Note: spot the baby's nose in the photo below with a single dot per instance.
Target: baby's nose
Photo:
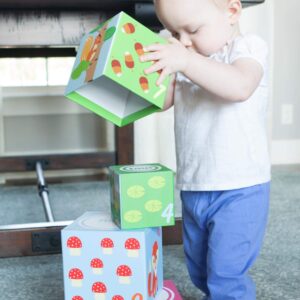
(185, 40)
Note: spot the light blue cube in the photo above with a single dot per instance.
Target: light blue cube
(102, 262)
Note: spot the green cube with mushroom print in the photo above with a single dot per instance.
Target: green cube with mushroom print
(108, 77)
(142, 195)
(102, 262)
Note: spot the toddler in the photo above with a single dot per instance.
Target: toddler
(219, 92)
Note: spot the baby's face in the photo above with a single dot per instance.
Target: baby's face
(200, 25)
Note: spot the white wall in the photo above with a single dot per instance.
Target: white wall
(154, 139)
(260, 20)
(286, 137)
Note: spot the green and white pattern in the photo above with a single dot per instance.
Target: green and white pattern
(145, 196)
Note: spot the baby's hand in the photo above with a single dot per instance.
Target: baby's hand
(169, 58)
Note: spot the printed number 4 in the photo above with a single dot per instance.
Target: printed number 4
(168, 212)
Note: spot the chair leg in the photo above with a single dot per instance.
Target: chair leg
(44, 192)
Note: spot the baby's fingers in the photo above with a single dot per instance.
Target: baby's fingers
(153, 47)
(150, 56)
(154, 68)
(165, 72)
(172, 40)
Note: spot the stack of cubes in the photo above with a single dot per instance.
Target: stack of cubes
(118, 255)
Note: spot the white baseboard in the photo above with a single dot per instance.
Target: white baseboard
(285, 152)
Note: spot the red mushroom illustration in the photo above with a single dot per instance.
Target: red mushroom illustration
(97, 266)
(74, 244)
(144, 84)
(117, 297)
(128, 28)
(129, 62)
(124, 273)
(107, 245)
(139, 49)
(77, 298)
(99, 290)
(152, 276)
(76, 277)
(116, 66)
(133, 246)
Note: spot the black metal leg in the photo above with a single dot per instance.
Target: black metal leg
(44, 192)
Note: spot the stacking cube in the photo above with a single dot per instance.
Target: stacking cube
(108, 77)
(102, 262)
(142, 196)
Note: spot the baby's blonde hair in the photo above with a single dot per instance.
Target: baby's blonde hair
(220, 3)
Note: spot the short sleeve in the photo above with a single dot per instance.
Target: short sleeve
(180, 78)
(250, 46)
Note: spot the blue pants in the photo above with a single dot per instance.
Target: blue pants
(222, 234)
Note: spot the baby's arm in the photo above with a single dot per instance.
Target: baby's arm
(235, 82)
(169, 101)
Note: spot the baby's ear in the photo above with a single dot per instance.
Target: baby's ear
(234, 8)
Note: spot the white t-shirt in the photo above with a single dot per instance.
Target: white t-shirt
(222, 145)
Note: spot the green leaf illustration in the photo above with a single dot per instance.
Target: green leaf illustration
(80, 68)
(109, 33)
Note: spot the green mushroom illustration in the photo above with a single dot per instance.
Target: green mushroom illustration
(157, 182)
(133, 216)
(136, 191)
(153, 206)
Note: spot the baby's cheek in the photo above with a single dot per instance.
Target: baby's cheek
(208, 44)
(203, 48)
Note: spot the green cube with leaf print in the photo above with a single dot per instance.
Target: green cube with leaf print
(142, 196)
(108, 77)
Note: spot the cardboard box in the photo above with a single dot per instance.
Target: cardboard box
(142, 196)
(102, 262)
(169, 292)
(108, 77)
